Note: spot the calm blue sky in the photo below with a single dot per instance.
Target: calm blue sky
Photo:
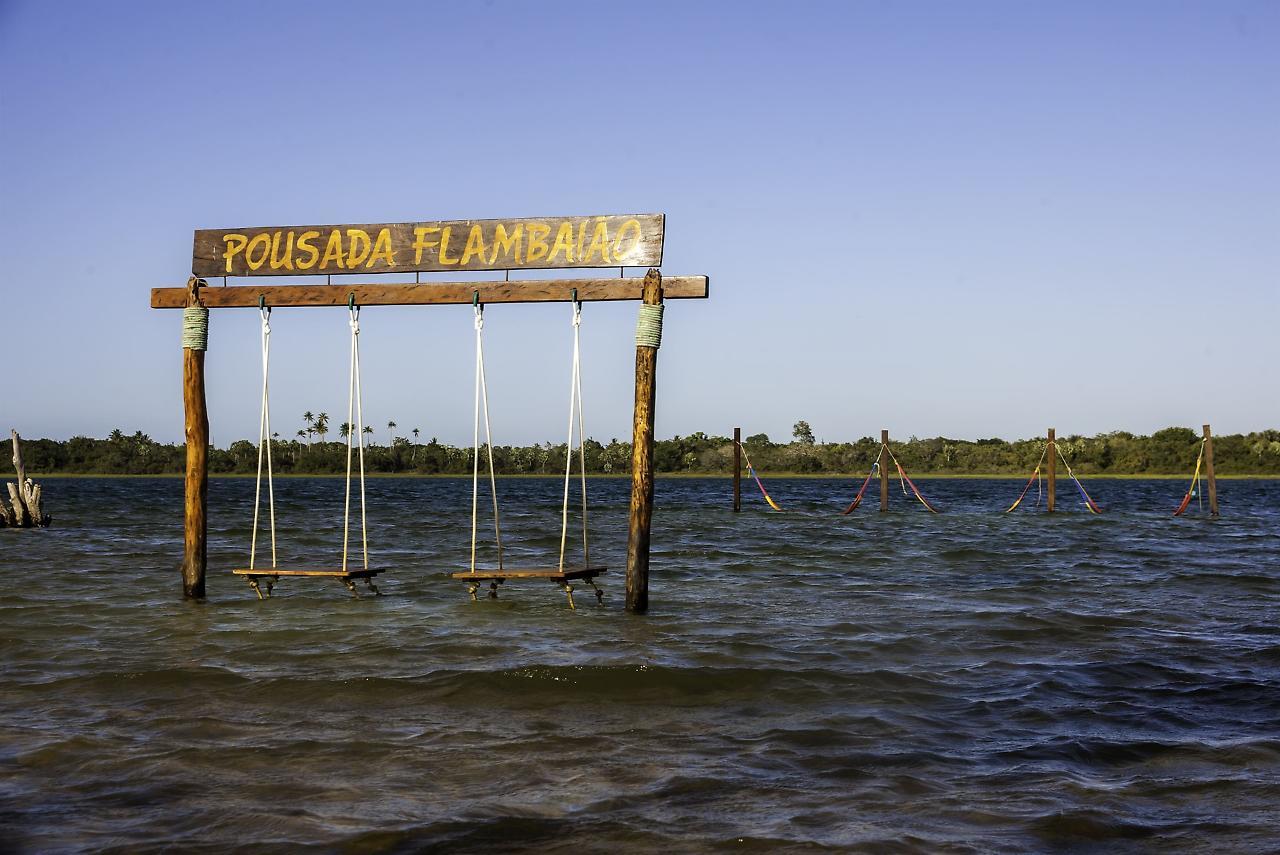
(968, 219)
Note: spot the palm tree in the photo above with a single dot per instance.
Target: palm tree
(344, 429)
(391, 433)
(415, 445)
(368, 429)
(308, 418)
(322, 425)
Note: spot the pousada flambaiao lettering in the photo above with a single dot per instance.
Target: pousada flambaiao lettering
(602, 241)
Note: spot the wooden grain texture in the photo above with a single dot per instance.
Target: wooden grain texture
(884, 471)
(1051, 475)
(641, 509)
(276, 571)
(555, 574)
(196, 504)
(17, 517)
(527, 243)
(430, 293)
(1208, 472)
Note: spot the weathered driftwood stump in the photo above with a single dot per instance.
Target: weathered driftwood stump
(25, 510)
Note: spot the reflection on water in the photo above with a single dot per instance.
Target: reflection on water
(967, 681)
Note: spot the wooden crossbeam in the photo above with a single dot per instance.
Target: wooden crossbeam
(431, 293)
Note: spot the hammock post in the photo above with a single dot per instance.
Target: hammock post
(882, 464)
(737, 470)
(1052, 475)
(1208, 473)
(641, 512)
(196, 411)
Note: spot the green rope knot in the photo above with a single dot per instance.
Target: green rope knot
(649, 326)
(195, 328)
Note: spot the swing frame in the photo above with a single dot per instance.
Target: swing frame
(651, 289)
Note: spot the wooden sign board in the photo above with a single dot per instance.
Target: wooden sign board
(616, 240)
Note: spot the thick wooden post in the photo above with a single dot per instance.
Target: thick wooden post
(642, 461)
(883, 460)
(1208, 472)
(737, 470)
(1052, 475)
(195, 546)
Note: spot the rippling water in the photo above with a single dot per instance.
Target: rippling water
(804, 681)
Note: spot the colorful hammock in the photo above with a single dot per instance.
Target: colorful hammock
(857, 500)
(1035, 477)
(752, 472)
(1193, 490)
(1088, 502)
(902, 477)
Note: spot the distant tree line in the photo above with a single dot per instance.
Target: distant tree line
(1171, 451)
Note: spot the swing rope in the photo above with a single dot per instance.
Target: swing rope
(355, 425)
(752, 472)
(1088, 502)
(575, 401)
(1035, 476)
(264, 443)
(1193, 490)
(482, 395)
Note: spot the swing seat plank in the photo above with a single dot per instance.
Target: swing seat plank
(555, 574)
(337, 572)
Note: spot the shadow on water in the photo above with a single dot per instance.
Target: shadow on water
(806, 681)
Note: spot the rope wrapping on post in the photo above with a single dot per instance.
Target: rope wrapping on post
(195, 328)
(649, 326)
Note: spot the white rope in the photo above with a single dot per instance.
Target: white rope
(264, 442)
(355, 425)
(575, 401)
(482, 395)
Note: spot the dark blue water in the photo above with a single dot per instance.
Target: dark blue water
(805, 681)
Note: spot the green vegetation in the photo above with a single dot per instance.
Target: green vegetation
(1171, 451)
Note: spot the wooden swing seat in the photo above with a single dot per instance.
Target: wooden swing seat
(271, 575)
(337, 572)
(555, 574)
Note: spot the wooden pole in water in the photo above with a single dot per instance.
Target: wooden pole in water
(737, 470)
(195, 541)
(1052, 474)
(883, 461)
(642, 459)
(1208, 473)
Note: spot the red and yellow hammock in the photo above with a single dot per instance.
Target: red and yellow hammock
(903, 479)
(1192, 491)
(752, 472)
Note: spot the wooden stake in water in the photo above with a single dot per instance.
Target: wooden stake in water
(1208, 473)
(883, 461)
(642, 462)
(195, 540)
(1052, 475)
(737, 470)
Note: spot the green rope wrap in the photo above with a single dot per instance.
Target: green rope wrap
(649, 326)
(195, 328)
